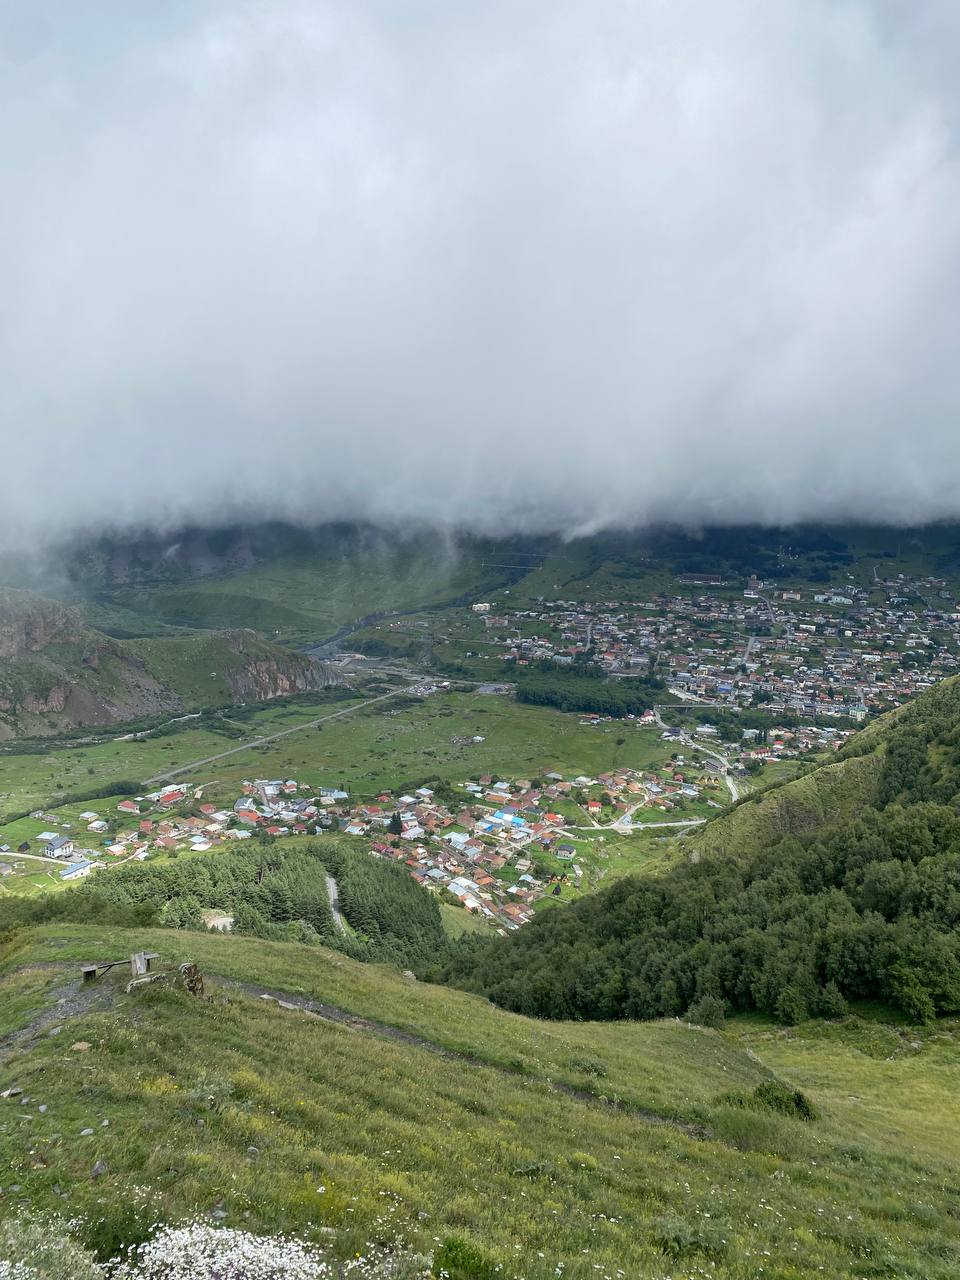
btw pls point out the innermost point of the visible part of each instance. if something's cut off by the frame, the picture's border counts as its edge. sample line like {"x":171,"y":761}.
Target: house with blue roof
{"x":77,"y":870}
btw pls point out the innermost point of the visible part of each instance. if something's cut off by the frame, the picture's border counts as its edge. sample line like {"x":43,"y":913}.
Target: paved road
{"x":12,"y":856}
{"x":334,"y":895}
{"x":624,"y":826}
{"x":273,"y":737}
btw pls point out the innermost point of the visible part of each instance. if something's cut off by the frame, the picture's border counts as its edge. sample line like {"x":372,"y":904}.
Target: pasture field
{"x":505,"y":1146}
{"x":392,"y":745}
{"x":35,"y":778}
{"x":398,"y":744}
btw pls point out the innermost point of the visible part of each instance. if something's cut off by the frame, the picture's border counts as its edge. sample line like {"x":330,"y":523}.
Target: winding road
{"x":696,"y":746}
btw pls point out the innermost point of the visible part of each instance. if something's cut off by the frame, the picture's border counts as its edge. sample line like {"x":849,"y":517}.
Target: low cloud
{"x":512,"y":266}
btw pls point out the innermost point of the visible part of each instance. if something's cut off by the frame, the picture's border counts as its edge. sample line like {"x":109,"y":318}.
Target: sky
{"x":512,"y":266}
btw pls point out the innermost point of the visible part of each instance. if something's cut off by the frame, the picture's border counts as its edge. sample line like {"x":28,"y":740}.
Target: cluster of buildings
{"x":500,"y":846}
{"x":834,"y":652}
{"x":496,"y":846}
{"x":481,"y":849}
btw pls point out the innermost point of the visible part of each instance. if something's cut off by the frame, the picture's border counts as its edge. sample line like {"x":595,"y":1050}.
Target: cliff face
{"x":56,"y":674}
{"x":266,"y":678}
{"x":29,"y":624}
{"x":257,"y":671}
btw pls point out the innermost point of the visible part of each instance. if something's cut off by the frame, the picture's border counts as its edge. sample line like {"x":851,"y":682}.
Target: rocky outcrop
{"x":262,"y":678}
{"x":56,"y":674}
{"x":30,"y":624}
{"x":261,"y":681}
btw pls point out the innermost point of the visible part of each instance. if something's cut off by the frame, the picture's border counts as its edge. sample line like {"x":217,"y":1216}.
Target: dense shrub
{"x":458,"y":1260}
{"x":773,"y":1095}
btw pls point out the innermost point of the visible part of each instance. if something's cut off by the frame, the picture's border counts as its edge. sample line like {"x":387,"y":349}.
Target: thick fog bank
{"x":510,"y":267}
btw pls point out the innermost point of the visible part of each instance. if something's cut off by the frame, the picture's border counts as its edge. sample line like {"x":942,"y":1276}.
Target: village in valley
{"x":842,"y":652}
{"x":498,"y":847}
{"x":754,"y":678}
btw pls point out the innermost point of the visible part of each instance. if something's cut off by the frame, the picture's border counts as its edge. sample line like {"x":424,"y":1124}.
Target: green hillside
{"x":839,"y":887}
{"x":832,"y":793}
{"x":379,"y":1110}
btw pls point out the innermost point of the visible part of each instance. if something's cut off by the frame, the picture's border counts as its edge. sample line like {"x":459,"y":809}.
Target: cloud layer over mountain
{"x":521,"y":264}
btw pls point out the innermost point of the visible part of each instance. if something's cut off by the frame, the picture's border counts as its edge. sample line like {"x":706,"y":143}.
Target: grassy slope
{"x":404,"y":1140}
{"x":832,"y":793}
{"x":308,"y":597}
{"x":457,"y":921}
{"x":904,"y":1081}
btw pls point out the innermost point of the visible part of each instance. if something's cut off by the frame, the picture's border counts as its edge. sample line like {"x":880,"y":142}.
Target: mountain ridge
{"x":57,"y":674}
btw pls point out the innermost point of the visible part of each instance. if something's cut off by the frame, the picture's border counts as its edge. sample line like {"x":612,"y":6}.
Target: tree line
{"x":869,"y":910}
{"x":586,"y":689}
{"x":275,"y":890}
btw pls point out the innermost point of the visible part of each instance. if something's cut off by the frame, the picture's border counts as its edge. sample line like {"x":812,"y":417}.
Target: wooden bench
{"x":89,"y":972}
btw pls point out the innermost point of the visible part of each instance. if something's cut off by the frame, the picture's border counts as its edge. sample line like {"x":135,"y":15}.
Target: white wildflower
{"x":204,"y":1252}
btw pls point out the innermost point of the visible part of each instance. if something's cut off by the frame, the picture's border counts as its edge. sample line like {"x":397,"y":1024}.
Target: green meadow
{"x":388,"y":745}
{"x":392,"y":745}
{"x":36,"y":777}
{"x":523,"y":1149}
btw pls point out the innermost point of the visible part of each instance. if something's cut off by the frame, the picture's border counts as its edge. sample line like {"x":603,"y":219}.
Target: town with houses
{"x":822,"y":660}
{"x":496,"y":846}
{"x":844,"y":652}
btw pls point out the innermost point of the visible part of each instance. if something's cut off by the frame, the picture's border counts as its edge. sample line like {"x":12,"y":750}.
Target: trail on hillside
{"x":74,"y":998}
{"x":353,"y":1022}
{"x":69,"y":1000}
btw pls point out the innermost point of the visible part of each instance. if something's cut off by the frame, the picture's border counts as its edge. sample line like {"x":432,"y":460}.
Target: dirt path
{"x":299,"y":728}
{"x":334,"y":895}
{"x":73,"y":998}
{"x":70,"y":999}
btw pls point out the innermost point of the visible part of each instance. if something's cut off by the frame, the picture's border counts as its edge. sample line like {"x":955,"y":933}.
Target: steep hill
{"x":839,"y":887}
{"x":832,"y":793}
{"x":57,"y":674}
{"x":370,"y":1110}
